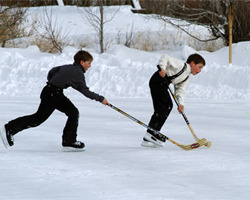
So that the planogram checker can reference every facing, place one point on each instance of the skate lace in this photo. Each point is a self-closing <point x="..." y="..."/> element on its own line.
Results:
<point x="78" y="143"/>
<point x="11" y="138"/>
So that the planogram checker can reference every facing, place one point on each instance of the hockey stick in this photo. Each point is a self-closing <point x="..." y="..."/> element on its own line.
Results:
<point x="207" y="143"/>
<point x="185" y="147"/>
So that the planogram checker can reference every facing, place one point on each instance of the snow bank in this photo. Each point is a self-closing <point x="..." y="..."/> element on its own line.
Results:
<point x="125" y="72"/>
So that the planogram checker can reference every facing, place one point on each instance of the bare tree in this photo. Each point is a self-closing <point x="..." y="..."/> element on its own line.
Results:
<point x="11" y="19"/>
<point x="51" y="32"/>
<point x="98" y="20"/>
<point x="211" y="14"/>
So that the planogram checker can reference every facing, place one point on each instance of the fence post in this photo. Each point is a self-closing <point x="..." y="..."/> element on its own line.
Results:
<point x="230" y="21"/>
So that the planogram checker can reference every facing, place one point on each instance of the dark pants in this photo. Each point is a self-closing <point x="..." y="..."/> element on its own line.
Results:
<point x="51" y="98"/>
<point x="161" y="101"/>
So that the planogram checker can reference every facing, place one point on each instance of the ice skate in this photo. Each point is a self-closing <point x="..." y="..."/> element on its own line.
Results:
<point x="153" y="138"/>
<point x="7" y="138"/>
<point x="73" y="146"/>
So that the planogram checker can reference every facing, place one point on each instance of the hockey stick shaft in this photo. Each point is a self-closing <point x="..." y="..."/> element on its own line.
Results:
<point x="183" y="114"/>
<point x="186" y="119"/>
<point x="185" y="147"/>
<point x="137" y="121"/>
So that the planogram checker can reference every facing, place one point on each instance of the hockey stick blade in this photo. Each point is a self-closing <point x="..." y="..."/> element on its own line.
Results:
<point x="207" y="143"/>
<point x="196" y="145"/>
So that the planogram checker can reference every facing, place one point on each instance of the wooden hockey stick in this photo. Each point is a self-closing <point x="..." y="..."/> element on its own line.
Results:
<point x="185" y="147"/>
<point x="207" y="143"/>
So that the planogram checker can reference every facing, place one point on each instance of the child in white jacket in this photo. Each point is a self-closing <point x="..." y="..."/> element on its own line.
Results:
<point x="170" y="70"/>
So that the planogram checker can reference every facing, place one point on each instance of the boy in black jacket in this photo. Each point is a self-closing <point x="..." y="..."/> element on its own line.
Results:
<point x="52" y="97"/>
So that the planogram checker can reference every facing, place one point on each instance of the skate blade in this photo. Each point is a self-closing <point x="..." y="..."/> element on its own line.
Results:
<point x="149" y="145"/>
<point x="3" y="137"/>
<point x="72" y="149"/>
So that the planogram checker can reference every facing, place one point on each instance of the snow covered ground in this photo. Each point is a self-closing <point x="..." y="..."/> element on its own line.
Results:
<point x="115" y="166"/>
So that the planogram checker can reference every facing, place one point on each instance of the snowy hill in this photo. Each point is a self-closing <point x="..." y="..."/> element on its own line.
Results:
<point x="24" y="71"/>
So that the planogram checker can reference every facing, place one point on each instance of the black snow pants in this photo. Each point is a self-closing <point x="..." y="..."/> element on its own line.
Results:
<point x="51" y="98"/>
<point x="162" y="102"/>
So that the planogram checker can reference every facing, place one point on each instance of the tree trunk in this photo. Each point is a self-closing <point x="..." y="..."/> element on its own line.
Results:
<point x="60" y="3"/>
<point x="101" y="26"/>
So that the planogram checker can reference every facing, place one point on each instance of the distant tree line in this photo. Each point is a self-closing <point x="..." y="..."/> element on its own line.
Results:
<point x="211" y="13"/>
<point x="29" y="3"/>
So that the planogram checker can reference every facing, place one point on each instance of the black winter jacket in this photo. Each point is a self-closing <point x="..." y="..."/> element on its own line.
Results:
<point x="71" y="75"/>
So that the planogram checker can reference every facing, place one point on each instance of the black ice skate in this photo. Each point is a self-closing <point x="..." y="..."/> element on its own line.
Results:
<point x="7" y="138"/>
<point x="73" y="146"/>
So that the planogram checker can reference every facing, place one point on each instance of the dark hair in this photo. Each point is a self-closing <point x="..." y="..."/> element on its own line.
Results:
<point x="196" y="58"/>
<point x="82" y="55"/>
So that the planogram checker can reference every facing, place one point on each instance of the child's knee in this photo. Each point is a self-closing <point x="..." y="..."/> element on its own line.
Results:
<point x="74" y="113"/>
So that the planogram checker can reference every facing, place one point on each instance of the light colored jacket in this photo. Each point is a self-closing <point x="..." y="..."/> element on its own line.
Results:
<point x="172" y="66"/>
